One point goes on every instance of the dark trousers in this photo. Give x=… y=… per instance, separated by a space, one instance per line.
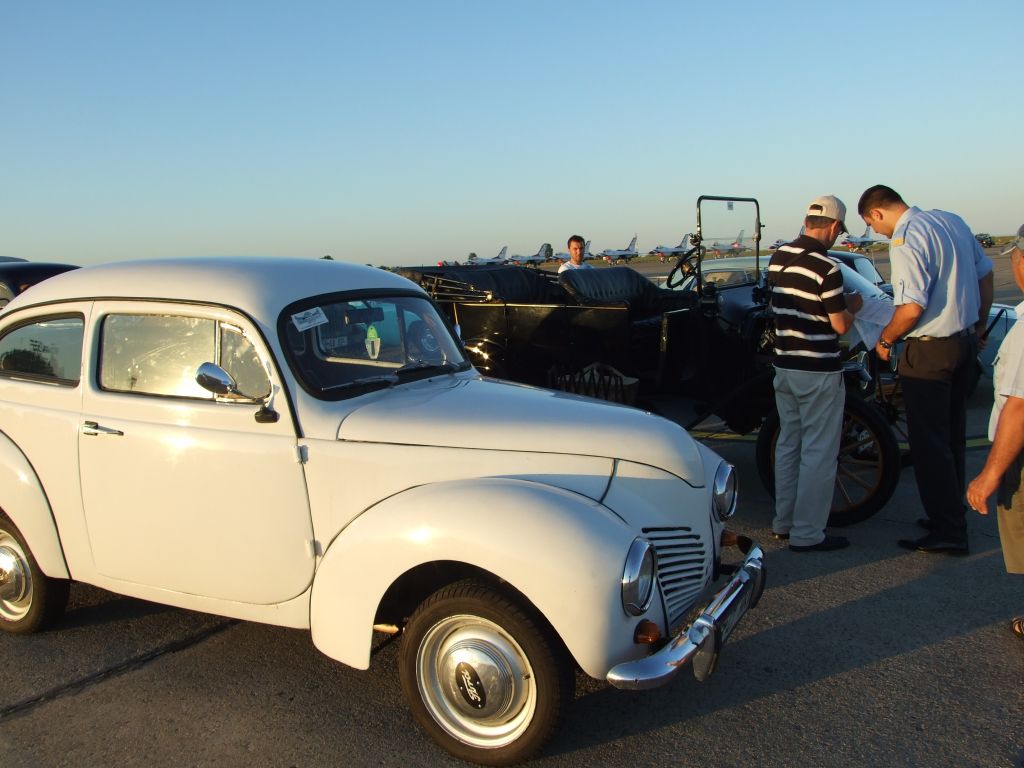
x=935 y=375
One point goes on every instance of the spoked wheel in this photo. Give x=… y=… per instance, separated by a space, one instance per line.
x=483 y=678
x=29 y=599
x=868 y=468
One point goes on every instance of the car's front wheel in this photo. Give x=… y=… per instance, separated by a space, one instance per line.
x=29 y=599
x=483 y=675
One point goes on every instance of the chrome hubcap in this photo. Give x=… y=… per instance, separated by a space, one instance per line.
x=15 y=580
x=476 y=681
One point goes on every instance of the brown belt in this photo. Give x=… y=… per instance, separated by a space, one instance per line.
x=958 y=335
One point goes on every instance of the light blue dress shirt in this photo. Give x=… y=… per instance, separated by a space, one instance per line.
x=936 y=263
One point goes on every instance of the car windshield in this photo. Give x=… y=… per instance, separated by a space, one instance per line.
x=732 y=273
x=340 y=347
x=866 y=268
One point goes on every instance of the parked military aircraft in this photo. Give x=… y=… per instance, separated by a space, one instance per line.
x=728 y=249
x=501 y=258
x=674 y=250
x=542 y=255
x=627 y=253
x=862 y=242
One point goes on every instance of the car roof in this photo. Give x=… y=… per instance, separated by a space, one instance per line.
x=260 y=286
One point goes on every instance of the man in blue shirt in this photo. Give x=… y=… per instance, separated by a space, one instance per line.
x=942 y=284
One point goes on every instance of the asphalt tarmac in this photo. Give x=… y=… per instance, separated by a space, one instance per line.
x=869 y=656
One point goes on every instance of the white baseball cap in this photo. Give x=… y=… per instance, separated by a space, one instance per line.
x=1017 y=242
x=829 y=206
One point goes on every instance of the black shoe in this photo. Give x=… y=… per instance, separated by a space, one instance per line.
x=828 y=544
x=935 y=544
x=927 y=523
x=780 y=536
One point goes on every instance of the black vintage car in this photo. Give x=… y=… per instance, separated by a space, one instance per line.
x=985 y=239
x=611 y=332
x=17 y=276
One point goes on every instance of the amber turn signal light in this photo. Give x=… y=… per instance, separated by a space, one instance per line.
x=647 y=633
x=729 y=538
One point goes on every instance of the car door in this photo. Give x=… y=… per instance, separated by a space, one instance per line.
x=182 y=490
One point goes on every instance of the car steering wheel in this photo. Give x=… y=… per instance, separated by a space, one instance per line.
x=685 y=266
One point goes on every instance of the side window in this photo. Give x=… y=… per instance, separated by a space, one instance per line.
x=160 y=354
x=238 y=357
x=155 y=354
x=47 y=350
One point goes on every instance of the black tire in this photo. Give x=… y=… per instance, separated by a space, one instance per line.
x=869 y=462
x=483 y=676
x=29 y=599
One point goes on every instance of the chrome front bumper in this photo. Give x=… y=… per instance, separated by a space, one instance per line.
x=702 y=641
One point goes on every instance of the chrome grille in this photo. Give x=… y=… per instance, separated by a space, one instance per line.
x=683 y=565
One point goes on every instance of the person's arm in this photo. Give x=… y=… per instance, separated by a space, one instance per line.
x=904 y=318
x=1008 y=444
x=843 y=321
x=986 y=289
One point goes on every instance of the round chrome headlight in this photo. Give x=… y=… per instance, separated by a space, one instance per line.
x=723 y=498
x=638 y=577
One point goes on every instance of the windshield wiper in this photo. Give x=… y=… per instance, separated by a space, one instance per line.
x=418 y=366
x=370 y=382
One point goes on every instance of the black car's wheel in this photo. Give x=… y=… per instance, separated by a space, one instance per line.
x=483 y=677
x=869 y=461
x=29 y=599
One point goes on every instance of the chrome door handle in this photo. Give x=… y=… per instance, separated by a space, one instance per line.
x=92 y=428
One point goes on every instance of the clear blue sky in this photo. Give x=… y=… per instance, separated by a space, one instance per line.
x=407 y=132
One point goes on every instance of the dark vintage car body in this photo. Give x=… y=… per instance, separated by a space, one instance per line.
x=18 y=276
x=534 y=326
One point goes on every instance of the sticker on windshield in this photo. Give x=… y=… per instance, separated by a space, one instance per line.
x=372 y=342
x=311 y=318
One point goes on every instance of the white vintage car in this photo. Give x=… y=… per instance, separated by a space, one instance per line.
x=304 y=443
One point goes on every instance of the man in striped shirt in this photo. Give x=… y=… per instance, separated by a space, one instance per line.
x=811 y=312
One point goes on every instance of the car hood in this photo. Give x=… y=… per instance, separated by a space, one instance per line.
x=502 y=416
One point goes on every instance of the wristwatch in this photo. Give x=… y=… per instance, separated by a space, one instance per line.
x=883 y=343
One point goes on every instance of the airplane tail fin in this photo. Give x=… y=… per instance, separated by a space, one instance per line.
x=503 y=253
x=632 y=244
x=739 y=237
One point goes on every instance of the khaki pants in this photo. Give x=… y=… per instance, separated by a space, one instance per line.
x=1010 y=509
x=806 y=453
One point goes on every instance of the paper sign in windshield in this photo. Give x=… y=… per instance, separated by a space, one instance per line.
x=311 y=318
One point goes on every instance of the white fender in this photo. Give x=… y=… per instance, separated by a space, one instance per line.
x=23 y=500
x=563 y=551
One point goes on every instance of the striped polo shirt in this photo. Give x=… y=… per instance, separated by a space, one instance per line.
x=807 y=286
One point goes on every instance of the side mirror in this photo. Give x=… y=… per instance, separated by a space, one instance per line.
x=215 y=379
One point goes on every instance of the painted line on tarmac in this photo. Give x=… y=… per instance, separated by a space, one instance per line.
x=130 y=665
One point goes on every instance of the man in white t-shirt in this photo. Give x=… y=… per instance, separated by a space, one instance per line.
x=576 y=245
